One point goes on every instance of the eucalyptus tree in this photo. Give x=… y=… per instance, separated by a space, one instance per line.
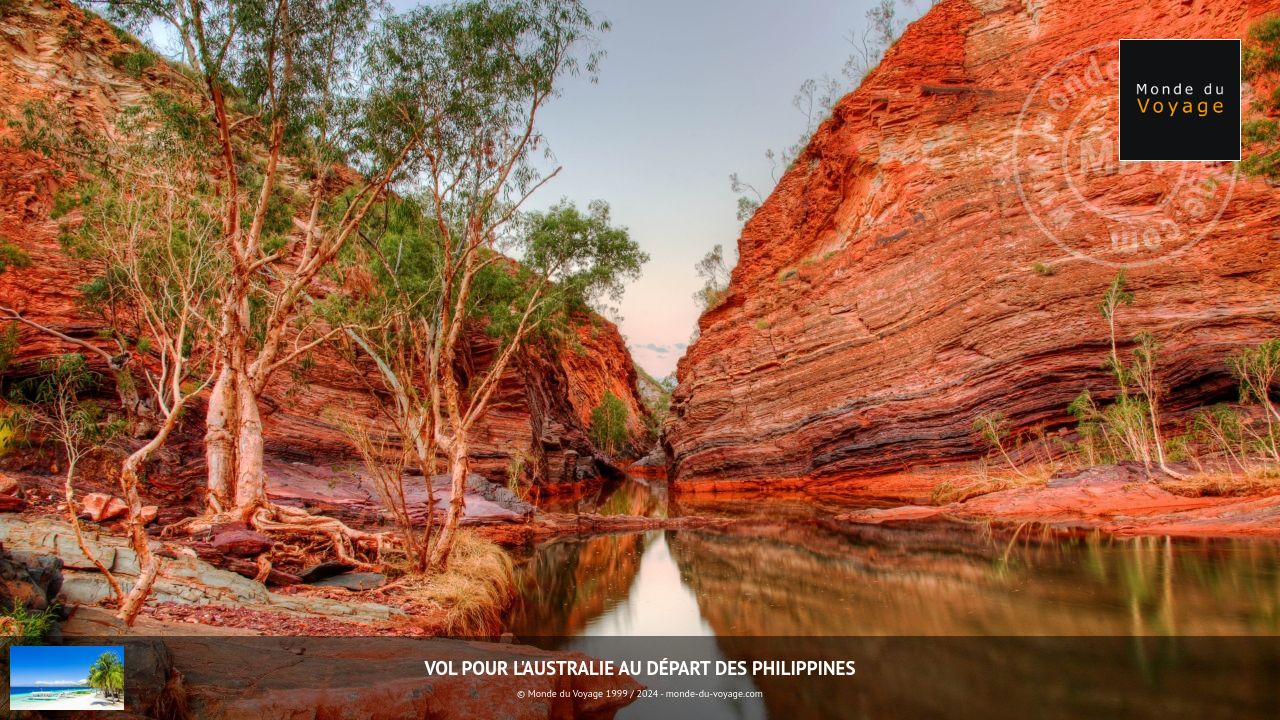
x=478 y=74
x=569 y=260
x=145 y=229
x=151 y=237
x=56 y=402
x=283 y=85
x=442 y=100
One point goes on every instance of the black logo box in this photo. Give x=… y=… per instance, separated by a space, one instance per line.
x=1186 y=65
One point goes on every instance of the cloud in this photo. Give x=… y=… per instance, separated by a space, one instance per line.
x=654 y=347
x=681 y=346
x=58 y=683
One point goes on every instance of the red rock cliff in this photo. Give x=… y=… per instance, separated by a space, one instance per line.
x=924 y=261
x=54 y=52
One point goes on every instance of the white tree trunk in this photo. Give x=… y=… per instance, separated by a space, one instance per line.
x=459 y=468
x=220 y=442
x=251 y=479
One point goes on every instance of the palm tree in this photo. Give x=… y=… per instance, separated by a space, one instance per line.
x=107 y=675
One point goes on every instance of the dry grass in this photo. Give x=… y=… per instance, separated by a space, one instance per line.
x=1259 y=480
x=471 y=596
x=984 y=481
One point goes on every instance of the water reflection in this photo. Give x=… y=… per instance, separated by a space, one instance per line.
x=627 y=496
x=897 y=583
x=792 y=584
x=791 y=574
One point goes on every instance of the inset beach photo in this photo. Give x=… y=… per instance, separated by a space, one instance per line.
x=86 y=677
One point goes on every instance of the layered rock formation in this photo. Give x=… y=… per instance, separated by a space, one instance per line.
x=53 y=52
x=939 y=249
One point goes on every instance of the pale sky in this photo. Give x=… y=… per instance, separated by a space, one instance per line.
x=689 y=92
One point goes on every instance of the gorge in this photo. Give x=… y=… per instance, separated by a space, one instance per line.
x=972 y=380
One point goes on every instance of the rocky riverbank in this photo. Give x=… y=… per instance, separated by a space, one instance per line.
x=1120 y=500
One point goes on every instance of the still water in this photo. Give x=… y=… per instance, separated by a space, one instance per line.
x=786 y=574
x=789 y=574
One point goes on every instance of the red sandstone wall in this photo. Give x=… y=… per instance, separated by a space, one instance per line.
x=885 y=293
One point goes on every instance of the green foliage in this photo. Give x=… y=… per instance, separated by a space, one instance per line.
x=134 y=63
x=585 y=257
x=1129 y=427
x=8 y=346
x=1220 y=428
x=993 y=427
x=23 y=626
x=1044 y=269
x=1257 y=369
x=66 y=373
x=656 y=395
x=184 y=121
x=1262 y=57
x=1262 y=49
x=12 y=256
x=56 y=399
x=1260 y=130
x=571 y=260
x=1115 y=296
x=609 y=424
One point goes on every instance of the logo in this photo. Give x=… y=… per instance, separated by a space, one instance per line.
x=1180 y=100
x=1078 y=192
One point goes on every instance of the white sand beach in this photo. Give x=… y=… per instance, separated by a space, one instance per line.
x=84 y=701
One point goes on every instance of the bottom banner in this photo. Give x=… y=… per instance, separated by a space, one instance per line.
x=702 y=678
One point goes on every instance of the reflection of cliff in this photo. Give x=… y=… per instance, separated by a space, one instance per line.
x=814 y=586
x=627 y=496
x=567 y=584
x=807 y=581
